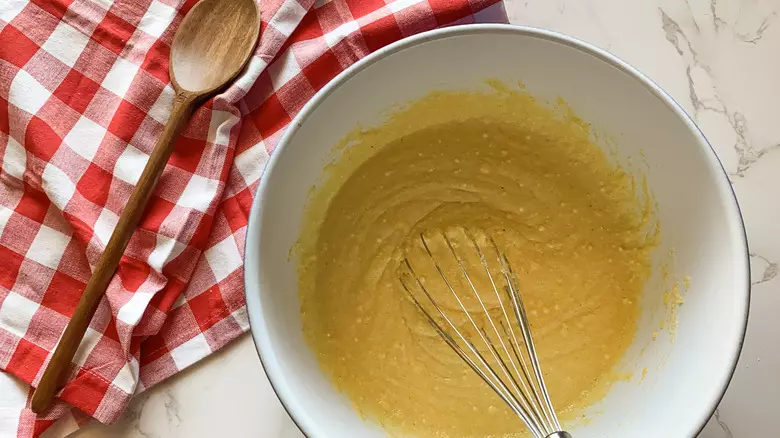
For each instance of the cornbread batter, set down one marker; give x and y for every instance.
(570, 221)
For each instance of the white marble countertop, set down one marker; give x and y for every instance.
(719, 60)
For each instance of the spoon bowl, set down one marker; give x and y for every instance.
(213, 43)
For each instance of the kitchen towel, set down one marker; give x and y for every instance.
(84, 94)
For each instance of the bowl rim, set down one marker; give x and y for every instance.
(252, 285)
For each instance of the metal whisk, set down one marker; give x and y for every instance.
(508, 347)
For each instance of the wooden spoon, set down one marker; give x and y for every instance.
(212, 45)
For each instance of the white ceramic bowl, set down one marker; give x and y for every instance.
(699, 216)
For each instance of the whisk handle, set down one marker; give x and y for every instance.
(560, 434)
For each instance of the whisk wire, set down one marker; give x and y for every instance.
(514, 342)
(500, 382)
(521, 387)
(488, 376)
(496, 355)
(522, 320)
(483, 334)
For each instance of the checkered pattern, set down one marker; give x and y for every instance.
(84, 94)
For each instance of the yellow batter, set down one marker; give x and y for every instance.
(570, 221)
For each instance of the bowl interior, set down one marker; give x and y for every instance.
(699, 217)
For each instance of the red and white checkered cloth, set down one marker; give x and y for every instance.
(84, 94)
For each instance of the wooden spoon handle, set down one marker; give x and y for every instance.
(183, 107)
